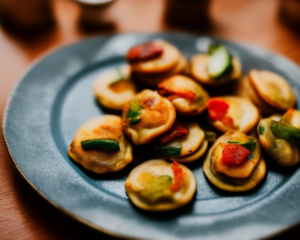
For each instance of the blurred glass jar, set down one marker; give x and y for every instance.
(26, 14)
(187, 13)
(290, 11)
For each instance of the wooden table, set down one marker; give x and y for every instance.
(23, 213)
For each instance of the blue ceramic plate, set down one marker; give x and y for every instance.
(55, 97)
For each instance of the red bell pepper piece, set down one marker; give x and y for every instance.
(217, 110)
(178, 176)
(177, 130)
(234, 154)
(180, 93)
(144, 51)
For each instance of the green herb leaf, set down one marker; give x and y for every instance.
(101, 144)
(134, 113)
(210, 136)
(168, 151)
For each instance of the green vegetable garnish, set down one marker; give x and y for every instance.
(168, 151)
(119, 77)
(261, 130)
(101, 144)
(158, 190)
(210, 136)
(287, 132)
(249, 145)
(134, 113)
(220, 61)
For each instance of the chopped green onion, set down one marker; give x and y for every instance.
(168, 151)
(287, 132)
(135, 120)
(134, 114)
(119, 77)
(261, 130)
(101, 144)
(210, 136)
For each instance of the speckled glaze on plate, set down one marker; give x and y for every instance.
(55, 97)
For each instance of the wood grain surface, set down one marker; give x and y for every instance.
(23, 213)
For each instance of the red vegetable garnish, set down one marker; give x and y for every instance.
(147, 102)
(234, 154)
(144, 51)
(227, 121)
(217, 110)
(177, 130)
(178, 176)
(180, 93)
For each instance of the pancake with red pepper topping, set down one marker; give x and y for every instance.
(160, 57)
(147, 116)
(234, 162)
(187, 96)
(184, 142)
(99, 145)
(232, 113)
(157, 185)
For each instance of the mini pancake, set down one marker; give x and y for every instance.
(114, 88)
(198, 71)
(160, 196)
(232, 184)
(194, 156)
(283, 152)
(147, 116)
(155, 79)
(163, 63)
(187, 96)
(101, 161)
(243, 113)
(245, 90)
(189, 143)
(273, 89)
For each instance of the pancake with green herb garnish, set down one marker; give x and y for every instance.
(99, 145)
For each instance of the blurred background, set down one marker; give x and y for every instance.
(31, 28)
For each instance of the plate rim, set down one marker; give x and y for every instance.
(57, 49)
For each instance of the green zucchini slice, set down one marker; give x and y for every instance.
(219, 62)
(287, 132)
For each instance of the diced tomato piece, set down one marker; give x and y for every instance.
(227, 121)
(144, 51)
(217, 108)
(180, 93)
(234, 154)
(178, 176)
(177, 130)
